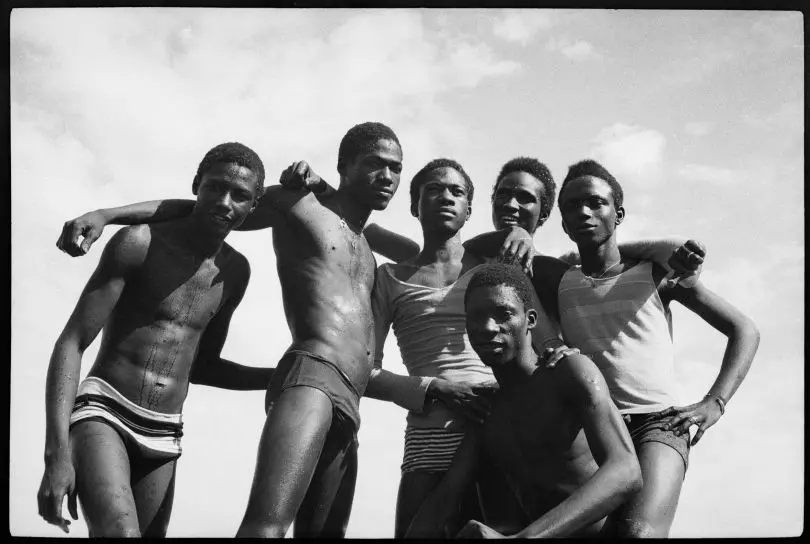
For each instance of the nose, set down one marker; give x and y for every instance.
(510, 203)
(225, 201)
(386, 175)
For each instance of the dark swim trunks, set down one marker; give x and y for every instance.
(648, 428)
(301, 368)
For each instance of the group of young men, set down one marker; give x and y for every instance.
(539, 393)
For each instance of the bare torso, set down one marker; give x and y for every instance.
(539, 442)
(326, 270)
(151, 338)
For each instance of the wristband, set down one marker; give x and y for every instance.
(720, 402)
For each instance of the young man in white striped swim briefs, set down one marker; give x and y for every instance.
(164, 295)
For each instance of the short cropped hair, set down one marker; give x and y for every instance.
(236, 153)
(590, 167)
(490, 275)
(361, 138)
(534, 168)
(421, 177)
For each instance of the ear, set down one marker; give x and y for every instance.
(565, 229)
(469, 213)
(195, 185)
(619, 215)
(542, 219)
(531, 318)
(415, 209)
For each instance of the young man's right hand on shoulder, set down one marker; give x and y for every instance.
(89, 225)
(462, 398)
(58, 481)
(300, 176)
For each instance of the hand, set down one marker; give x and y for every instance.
(476, 529)
(687, 262)
(704, 414)
(462, 398)
(552, 356)
(518, 248)
(89, 225)
(300, 176)
(59, 480)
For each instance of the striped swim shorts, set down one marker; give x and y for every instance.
(429, 450)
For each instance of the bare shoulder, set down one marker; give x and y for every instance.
(233, 262)
(580, 380)
(129, 246)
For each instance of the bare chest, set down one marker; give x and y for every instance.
(182, 292)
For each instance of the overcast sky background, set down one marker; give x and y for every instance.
(699, 114)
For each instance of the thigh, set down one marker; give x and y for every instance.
(103, 479)
(327, 505)
(289, 449)
(500, 506)
(414, 487)
(153, 488)
(649, 513)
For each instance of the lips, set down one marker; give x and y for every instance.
(508, 221)
(224, 219)
(585, 228)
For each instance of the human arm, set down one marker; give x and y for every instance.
(741, 346)
(681, 258)
(209, 367)
(389, 244)
(123, 253)
(91, 225)
(414, 393)
(439, 508)
(512, 245)
(618, 475)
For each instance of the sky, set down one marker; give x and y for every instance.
(700, 116)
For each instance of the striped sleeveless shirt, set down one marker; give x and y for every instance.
(621, 323)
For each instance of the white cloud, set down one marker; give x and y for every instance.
(787, 117)
(578, 50)
(631, 152)
(698, 128)
(703, 173)
(522, 25)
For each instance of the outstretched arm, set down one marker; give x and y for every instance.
(123, 253)
(90, 225)
(618, 475)
(439, 508)
(741, 346)
(210, 368)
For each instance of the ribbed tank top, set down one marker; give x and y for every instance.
(620, 323)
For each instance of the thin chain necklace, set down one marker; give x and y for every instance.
(345, 225)
(601, 275)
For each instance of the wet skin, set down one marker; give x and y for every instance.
(163, 294)
(326, 267)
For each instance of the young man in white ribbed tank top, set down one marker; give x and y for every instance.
(616, 311)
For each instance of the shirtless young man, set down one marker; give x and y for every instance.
(164, 295)
(554, 431)
(616, 310)
(307, 461)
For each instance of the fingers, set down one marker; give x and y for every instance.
(698, 435)
(50, 508)
(696, 247)
(89, 239)
(68, 241)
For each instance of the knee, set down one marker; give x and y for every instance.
(636, 528)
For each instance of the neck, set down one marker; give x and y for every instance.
(514, 373)
(441, 247)
(596, 259)
(354, 213)
(196, 240)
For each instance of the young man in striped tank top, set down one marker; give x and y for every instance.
(616, 311)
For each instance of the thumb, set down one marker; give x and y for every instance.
(91, 237)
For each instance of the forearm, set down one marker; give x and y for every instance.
(61, 385)
(657, 250)
(408, 392)
(226, 374)
(389, 244)
(153, 211)
(740, 350)
(488, 244)
(606, 490)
